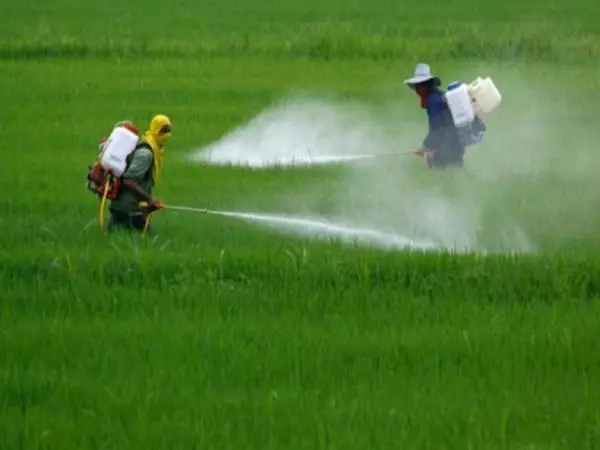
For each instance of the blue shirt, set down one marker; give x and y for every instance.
(442, 136)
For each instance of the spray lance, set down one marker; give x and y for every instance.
(181, 208)
(159, 205)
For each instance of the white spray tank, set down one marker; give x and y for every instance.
(485, 95)
(469, 126)
(460, 104)
(120, 143)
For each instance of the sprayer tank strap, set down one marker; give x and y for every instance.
(140, 144)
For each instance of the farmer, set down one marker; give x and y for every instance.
(140, 178)
(442, 147)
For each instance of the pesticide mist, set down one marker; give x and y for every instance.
(299, 131)
(491, 207)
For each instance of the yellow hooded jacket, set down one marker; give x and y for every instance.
(157, 136)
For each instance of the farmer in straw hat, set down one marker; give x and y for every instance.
(442, 147)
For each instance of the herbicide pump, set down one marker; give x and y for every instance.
(469, 104)
(116, 151)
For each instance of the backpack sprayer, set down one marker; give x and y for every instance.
(469, 104)
(104, 177)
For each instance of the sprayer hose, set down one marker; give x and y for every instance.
(147, 224)
(103, 202)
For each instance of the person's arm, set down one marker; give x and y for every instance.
(142, 195)
(439, 118)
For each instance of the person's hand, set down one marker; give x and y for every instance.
(156, 204)
(151, 206)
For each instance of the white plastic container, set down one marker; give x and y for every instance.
(120, 143)
(460, 104)
(486, 97)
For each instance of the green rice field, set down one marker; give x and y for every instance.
(225, 333)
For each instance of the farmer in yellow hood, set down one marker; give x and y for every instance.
(144, 170)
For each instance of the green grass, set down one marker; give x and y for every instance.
(226, 334)
(535, 30)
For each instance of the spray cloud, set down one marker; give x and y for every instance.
(473, 210)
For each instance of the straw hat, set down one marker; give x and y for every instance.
(422, 74)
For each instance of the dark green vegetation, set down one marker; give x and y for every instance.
(224, 334)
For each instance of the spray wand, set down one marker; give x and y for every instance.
(181, 208)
